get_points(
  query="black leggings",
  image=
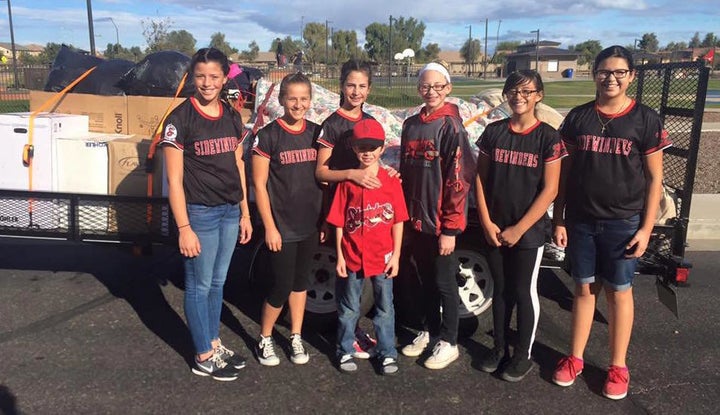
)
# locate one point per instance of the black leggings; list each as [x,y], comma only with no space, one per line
[515,273]
[290,269]
[439,286]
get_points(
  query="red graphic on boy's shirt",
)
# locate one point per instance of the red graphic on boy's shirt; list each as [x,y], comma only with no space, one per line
[421,149]
[370,217]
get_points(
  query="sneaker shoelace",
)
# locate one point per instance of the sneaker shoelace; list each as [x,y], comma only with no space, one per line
[420,338]
[268,347]
[617,375]
[224,351]
[297,346]
[218,361]
[567,364]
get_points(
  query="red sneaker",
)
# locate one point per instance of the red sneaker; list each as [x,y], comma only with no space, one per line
[617,382]
[567,370]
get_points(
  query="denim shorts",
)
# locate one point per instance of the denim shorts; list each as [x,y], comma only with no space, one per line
[596,249]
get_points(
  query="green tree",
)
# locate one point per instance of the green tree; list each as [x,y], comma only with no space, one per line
[430,52]
[345,46]
[251,53]
[406,33]
[115,51]
[217,41]
[709,41]
[695,41]
[181,41]
[155,32]
[673,46]
[470,51]
[50,52]
[587,50]
[649,42]
[314,47]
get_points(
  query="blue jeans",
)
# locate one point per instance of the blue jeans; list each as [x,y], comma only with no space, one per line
[596,249]
[217,229]
[347,292]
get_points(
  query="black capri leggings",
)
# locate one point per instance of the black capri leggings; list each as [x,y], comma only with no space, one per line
[290,269]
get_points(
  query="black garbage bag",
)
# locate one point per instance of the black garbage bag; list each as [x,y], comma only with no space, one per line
[67,66]
[103,79]
[158,75]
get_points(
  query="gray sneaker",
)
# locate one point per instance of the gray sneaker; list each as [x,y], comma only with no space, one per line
[215,367]
[266,352]
[389,366]
[230,357]
[347,364]
[299,355]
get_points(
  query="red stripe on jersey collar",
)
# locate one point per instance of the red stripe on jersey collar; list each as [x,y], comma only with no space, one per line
[526,131]
[196,105]
[286,128]
[348,117]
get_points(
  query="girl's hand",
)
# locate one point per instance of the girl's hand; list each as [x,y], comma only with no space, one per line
[362,177]
[510,236]
[638,244]
[189,243]
[392,172]
[560,236]
[324,229]
[492,232]
[446,244]
[392,267]
[341,268]
[246,230]
[273,240]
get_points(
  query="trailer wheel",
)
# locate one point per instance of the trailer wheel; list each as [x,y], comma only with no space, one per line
[475,286]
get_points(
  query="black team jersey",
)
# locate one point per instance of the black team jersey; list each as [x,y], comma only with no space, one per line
[515,175]
[210,172]
[295,196]
[337,130]
[436,166]
[607,180]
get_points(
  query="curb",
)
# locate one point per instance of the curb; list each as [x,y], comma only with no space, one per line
[704,217]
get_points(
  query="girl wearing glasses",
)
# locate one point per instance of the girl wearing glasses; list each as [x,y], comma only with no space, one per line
[609,191]
[519,153]
[435,161]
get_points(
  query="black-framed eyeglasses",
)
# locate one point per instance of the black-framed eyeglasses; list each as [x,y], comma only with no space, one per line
[525,93]
[424,88]
[617,73]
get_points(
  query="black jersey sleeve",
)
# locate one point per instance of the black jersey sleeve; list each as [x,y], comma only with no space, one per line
[656,137]
[174,131]
[553,147]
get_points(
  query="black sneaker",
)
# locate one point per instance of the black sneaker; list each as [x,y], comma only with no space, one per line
[517,369]
[347,364]
[491,361]
[230,357]
[266,352]
[215,367]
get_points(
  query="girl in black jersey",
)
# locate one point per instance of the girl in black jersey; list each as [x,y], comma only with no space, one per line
[206,188]
[518,174]
[610,192]
[288,199]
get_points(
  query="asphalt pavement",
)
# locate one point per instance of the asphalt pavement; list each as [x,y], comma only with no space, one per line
[91,329]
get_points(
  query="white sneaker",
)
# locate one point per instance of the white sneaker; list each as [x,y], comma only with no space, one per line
[443,354]
[266,352]
[299,355]
[418,345]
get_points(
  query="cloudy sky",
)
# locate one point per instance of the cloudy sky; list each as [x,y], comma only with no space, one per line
[448,22]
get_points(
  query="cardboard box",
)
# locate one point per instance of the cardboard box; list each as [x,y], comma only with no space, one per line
[145,113]
[127,177]
[107,114]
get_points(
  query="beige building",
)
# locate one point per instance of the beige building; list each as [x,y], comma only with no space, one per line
[551,61]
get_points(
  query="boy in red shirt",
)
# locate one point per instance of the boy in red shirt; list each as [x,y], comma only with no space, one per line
[369,227]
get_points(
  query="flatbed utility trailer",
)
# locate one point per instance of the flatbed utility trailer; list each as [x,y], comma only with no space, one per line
[677,91]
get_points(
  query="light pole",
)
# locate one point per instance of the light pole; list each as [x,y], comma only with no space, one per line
[90,27]
[537,48]
[390,54]
[497,43]
[327,61]
[117,32]
[485,53]
[471,50]
[12,44]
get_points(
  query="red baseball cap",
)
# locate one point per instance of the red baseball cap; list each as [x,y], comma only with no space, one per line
[369,132]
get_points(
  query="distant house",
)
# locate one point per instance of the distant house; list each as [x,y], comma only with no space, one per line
[456,63]
[552,61]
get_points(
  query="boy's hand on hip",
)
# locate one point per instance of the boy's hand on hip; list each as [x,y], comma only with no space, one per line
[446,245]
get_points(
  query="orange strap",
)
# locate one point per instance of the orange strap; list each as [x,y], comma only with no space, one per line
[29,150]
[149,163]
[262,110]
